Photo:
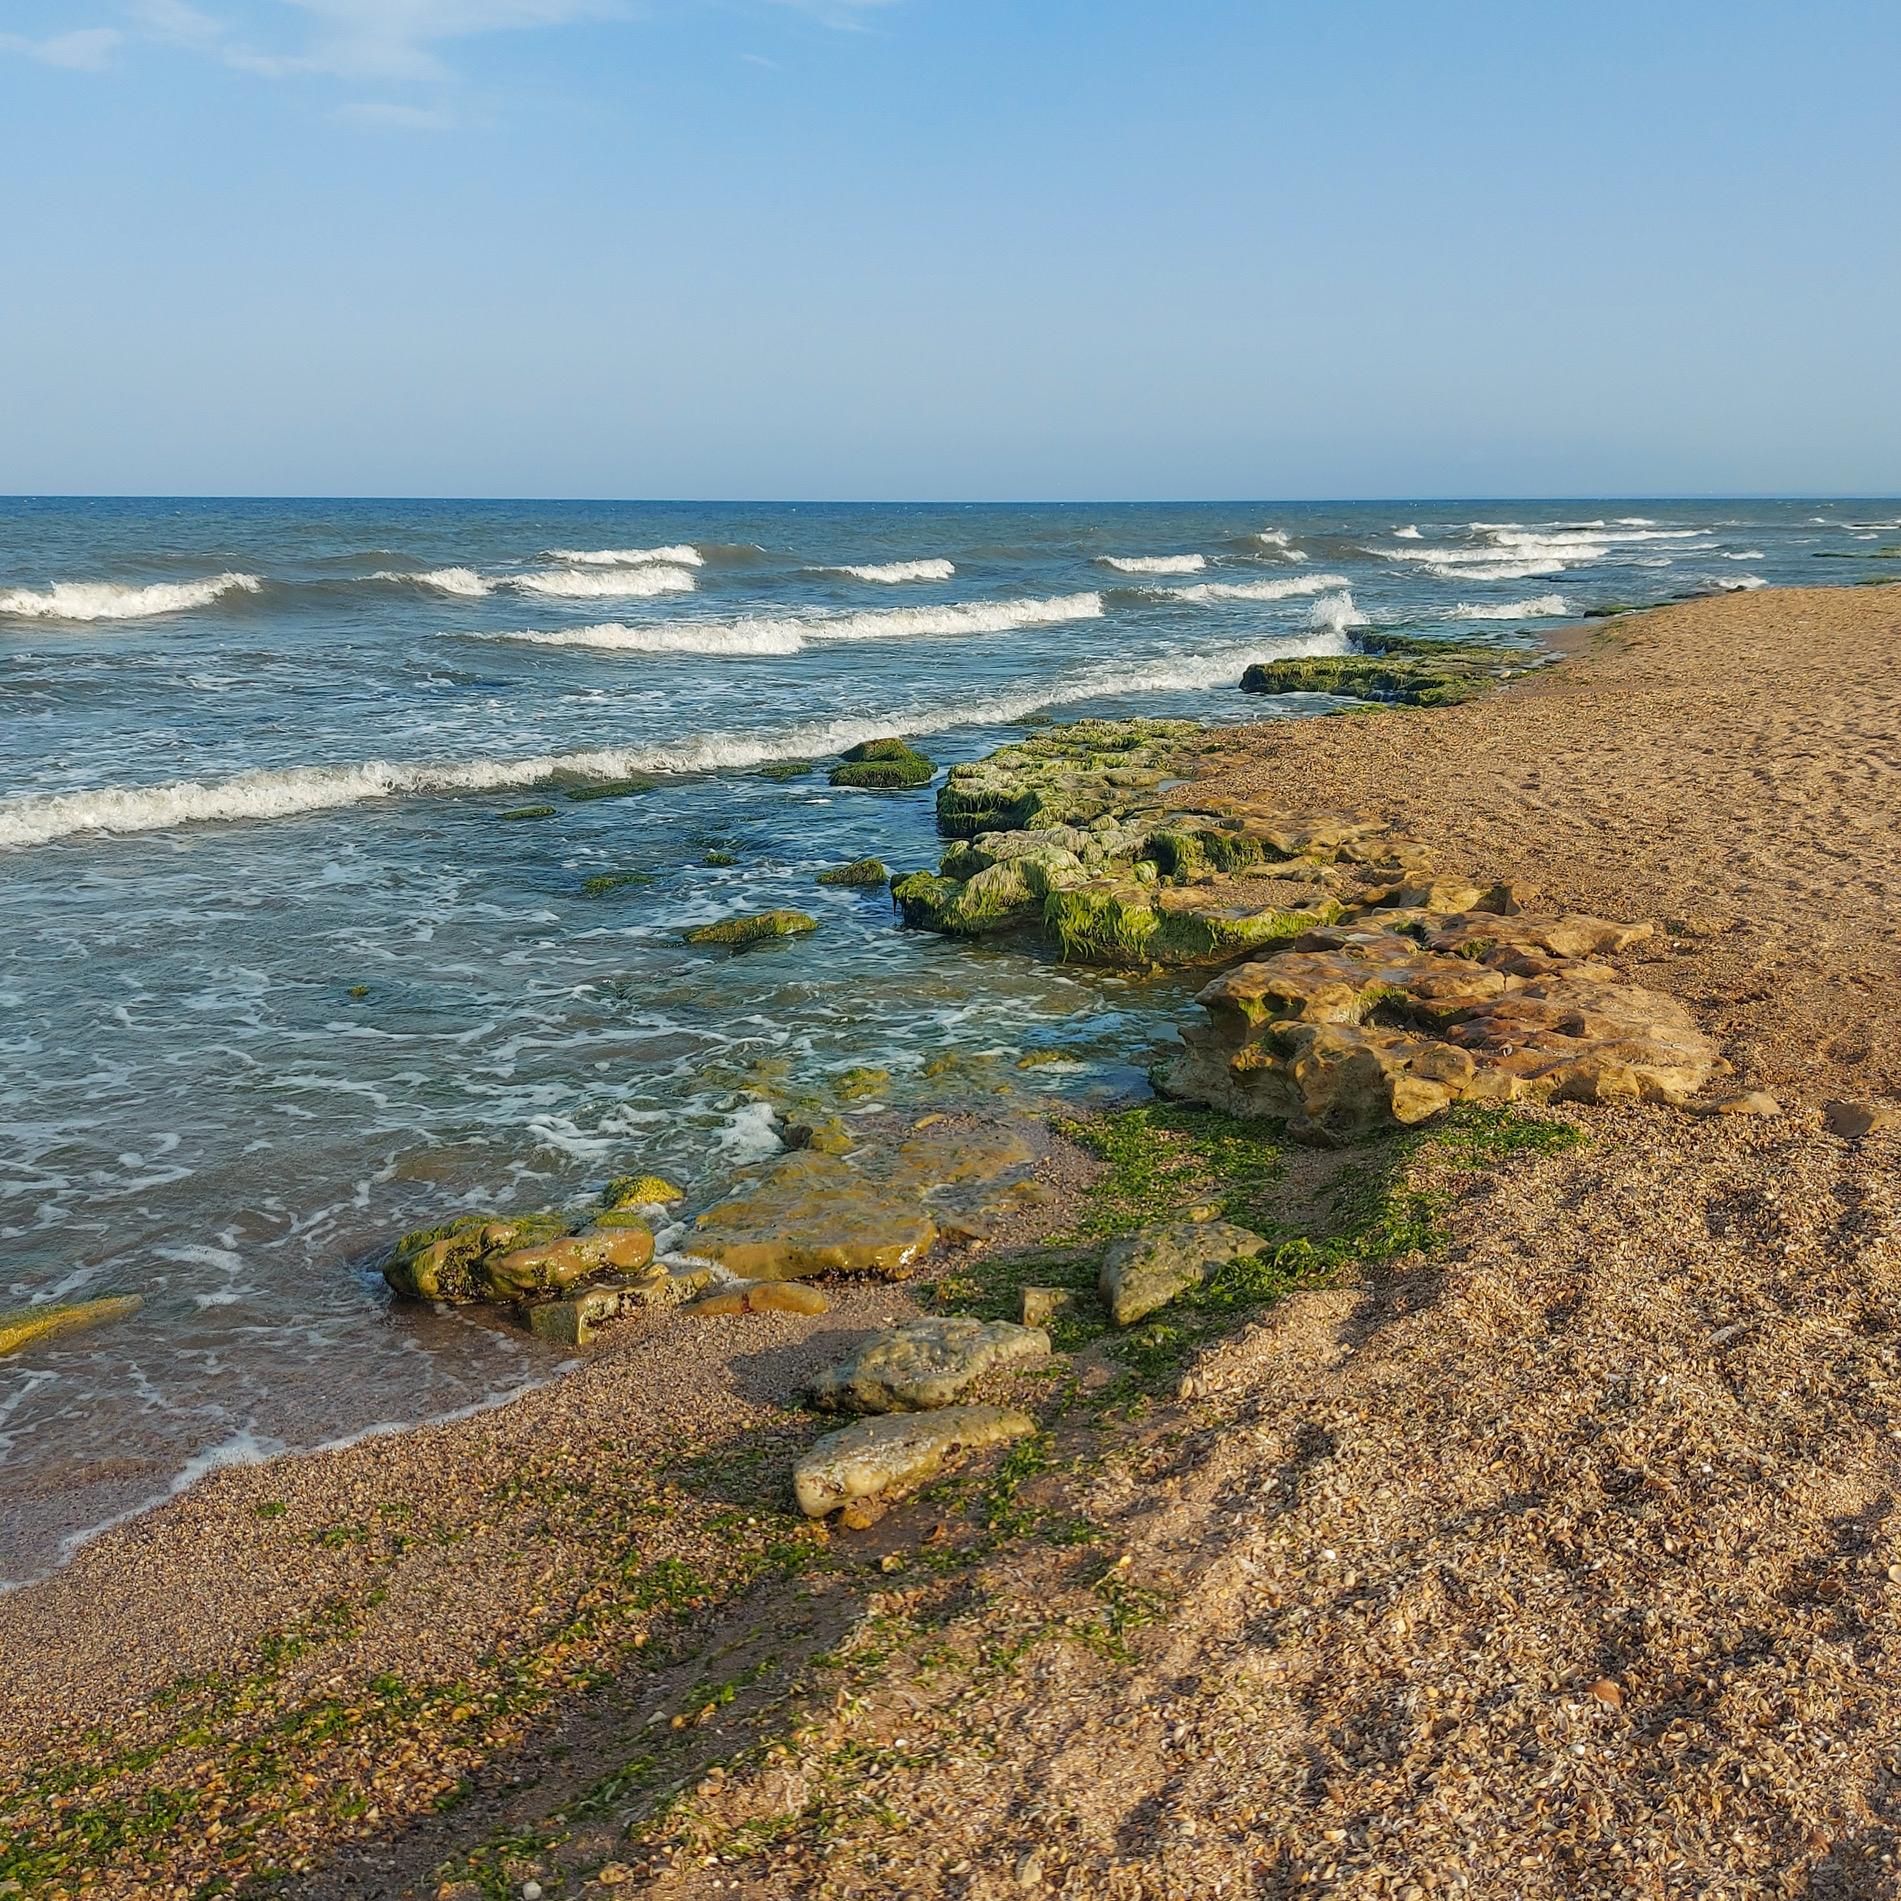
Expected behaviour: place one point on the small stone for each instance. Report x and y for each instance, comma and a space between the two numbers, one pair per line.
1747, 1102
1030, 1870
1851, 1120
1038, 1306
1606, 1691
531, 1891
759, 928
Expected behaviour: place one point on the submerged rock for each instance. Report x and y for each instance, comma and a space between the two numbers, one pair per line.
516, 813
758, 928
863, 873
883, 765
864, 1468
23, 1325
610, 788
923, 1364
1147, 1269
504, 1258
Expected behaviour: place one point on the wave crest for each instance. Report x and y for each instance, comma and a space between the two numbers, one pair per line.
1540, 607
1154, 563
679, 555
119, 600
1205, 592
894, 571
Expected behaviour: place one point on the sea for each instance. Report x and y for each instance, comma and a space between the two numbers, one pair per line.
279, 977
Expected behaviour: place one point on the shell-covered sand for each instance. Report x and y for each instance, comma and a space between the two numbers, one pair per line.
1562, 1561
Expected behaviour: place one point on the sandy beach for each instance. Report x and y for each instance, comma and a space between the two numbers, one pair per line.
1554, 1555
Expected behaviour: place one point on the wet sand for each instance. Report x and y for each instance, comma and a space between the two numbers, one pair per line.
1562, 1560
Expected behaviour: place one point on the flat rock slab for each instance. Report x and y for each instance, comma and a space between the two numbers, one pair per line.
863, 1468
759, 1297
1147, 1269
26, 1324
923, 1365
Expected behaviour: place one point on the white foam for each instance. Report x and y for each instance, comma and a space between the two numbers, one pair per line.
463, 581
306, 789
679, 555
1155, 563
1540, 607
627, 583
1736, 583
893, 571
117, 600
1277, 539
709, 637
1334, 614
1408, 533
1204, 593
1748, 554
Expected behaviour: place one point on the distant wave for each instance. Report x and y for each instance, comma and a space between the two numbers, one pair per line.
627, 583
1512, 551
1748, 554
680, 555
894, 570
762, 635
1540, 607
1205, 592
117, 600
1155, 563
301, 790
1737, 583
1406, 534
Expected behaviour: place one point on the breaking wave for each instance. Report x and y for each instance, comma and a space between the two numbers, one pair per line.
761, 635
1540, 607
1155, 563
626, 583
118, 600
298, 791
680, 555
895, 570
1334, 614
1205, 592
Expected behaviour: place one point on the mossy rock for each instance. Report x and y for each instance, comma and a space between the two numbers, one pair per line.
864, 873
603, 882
1396, 682
611, 788
24, 1325
720, 858
640, 1191
1130, 924
516, 813
444, 1262
883, 765
758, 928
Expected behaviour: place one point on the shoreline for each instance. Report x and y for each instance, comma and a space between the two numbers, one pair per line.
1616, 781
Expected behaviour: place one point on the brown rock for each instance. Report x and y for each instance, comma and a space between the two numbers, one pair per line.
757, 1297
1855, 1119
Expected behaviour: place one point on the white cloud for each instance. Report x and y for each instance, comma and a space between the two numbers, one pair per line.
395, 40
401, 118
88, 49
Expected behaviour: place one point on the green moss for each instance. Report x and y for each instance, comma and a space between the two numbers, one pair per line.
611, 788
603, 882
884, 775
518, 812
639, 1191
718, 856
1398, 682
761, 927
879, 749
780, 771
1124, 924
865, 872
441, 1262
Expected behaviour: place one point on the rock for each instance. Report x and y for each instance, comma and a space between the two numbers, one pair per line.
548, 1267
1855, 1119
1494, 939
868, 873
23, 1325
571, 1322
443, 1262
610, 788
1747, 1102
1147, 1269
1038, 1306
759, 928
865, 1467
923, 1365
639, 1191
1125, 922
605, 881
883, 765
829, 1135
758, 1297
516, 813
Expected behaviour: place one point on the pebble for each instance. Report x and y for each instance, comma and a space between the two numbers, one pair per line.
1030, 1870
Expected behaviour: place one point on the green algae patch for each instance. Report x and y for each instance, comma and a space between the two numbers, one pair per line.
720, 858
1138, 924
883, 765
516, 813
611, 788
861, 873
446, 1262
758, 928
1394, 682
603, 882
639, 1191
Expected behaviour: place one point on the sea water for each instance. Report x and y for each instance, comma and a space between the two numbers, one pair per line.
278, 980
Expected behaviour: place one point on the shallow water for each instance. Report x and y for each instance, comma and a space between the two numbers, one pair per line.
277, 981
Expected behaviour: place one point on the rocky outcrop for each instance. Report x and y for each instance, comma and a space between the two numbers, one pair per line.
1149, 1268
23, 1325
873, 1210
1399, 1010
923, 1365
508, 1257
1393, 669
862, 873
862, 1469
761, 927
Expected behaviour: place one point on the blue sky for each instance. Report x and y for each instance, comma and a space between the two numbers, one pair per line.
949, 248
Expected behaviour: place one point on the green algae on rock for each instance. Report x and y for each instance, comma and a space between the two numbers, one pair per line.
516, 813
883, 765
610, 788
1394, 669
640, 1191
507, 1257
23, 1325
756, 928
868, 873
923, 1365
862, 1469
603, 882
1149, 1268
